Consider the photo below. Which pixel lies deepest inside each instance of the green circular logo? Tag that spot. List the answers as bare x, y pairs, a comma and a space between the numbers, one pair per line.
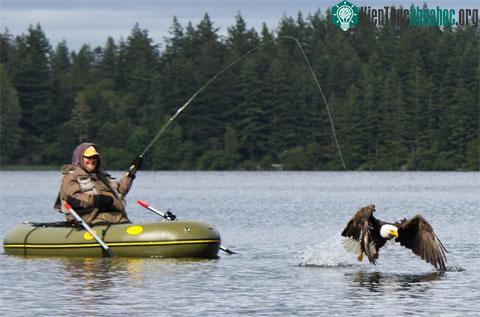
344, 15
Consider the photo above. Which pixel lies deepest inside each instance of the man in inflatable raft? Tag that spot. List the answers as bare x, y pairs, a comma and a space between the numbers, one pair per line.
94, 194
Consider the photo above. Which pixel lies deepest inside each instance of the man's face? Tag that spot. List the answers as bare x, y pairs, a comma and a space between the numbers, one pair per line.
90, 163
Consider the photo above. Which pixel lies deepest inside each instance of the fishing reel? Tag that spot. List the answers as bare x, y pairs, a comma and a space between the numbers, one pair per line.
168, 215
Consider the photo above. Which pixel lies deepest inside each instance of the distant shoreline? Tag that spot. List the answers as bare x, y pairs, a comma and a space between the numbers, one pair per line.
29, 168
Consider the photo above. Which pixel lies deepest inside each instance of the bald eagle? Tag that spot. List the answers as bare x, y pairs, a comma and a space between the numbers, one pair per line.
370, 234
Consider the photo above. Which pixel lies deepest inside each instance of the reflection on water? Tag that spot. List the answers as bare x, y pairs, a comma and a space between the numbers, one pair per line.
91, 285
377, 281
97, 273
104, 270
374, 279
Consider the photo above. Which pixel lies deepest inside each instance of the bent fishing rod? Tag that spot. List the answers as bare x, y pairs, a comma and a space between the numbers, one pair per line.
234, 62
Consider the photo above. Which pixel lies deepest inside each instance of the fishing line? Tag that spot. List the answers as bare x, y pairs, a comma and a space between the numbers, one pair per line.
198, 92
323, 96
235, 61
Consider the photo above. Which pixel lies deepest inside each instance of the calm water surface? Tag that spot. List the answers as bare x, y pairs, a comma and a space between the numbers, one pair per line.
285, 227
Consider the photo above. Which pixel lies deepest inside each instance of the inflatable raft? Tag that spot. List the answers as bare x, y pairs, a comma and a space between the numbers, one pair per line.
173, 239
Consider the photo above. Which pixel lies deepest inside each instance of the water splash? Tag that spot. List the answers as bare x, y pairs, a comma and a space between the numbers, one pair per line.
333, 254
455, 268
329, 254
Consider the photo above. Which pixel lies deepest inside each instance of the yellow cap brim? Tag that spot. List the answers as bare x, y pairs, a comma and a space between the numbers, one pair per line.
91, 151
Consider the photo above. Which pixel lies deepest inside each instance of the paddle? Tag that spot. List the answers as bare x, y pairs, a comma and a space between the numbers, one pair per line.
105, 247
169, 216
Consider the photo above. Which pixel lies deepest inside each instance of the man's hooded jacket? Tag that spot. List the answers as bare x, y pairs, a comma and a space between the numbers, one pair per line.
84, 189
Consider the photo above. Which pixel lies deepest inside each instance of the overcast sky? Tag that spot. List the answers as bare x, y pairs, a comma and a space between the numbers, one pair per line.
92, 21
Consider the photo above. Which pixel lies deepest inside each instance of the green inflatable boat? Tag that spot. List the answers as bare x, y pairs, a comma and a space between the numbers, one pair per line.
173, 239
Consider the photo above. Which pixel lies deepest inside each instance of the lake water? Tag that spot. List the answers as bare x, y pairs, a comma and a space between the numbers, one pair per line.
285, 227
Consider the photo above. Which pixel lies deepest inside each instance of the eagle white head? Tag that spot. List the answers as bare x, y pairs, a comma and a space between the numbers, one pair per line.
389, 232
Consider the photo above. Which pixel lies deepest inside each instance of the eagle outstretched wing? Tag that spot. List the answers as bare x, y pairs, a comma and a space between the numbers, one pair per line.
417, 234
356, 224
358, 229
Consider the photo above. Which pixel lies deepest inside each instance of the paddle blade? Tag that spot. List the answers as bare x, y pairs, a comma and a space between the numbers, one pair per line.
143, 204
228, 251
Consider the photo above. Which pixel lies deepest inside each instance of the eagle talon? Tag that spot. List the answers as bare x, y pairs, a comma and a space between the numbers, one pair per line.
360, 258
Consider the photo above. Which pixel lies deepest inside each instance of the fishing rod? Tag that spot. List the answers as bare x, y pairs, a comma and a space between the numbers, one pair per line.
197, 93
235, 61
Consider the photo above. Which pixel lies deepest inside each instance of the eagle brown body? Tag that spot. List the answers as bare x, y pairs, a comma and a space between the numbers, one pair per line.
415, 233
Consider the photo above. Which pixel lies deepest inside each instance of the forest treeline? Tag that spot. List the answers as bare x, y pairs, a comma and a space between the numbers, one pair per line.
400, 97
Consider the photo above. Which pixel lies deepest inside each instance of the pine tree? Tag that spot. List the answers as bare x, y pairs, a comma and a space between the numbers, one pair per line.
62, 94
202, 123
108, 62
392, 146
240, 40
175, 42
255, 114
399, 97
280, 99
80, 118
351, 128
82, 67
32, 79
10, 132
239, 43
230, 140
6, 49
168, 153
141, 64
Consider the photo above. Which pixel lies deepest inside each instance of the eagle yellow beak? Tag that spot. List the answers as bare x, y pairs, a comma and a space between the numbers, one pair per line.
394, 233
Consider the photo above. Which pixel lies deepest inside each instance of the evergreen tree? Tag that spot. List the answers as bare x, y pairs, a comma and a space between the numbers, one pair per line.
399, 97
255, 114
175, 42
6, 49
240, 40
80, 119
392, 146
82, 67
62, 94
140, 63
10, 132
203, 122
108, 63
351, 129
230, 140
168, 153
32, 79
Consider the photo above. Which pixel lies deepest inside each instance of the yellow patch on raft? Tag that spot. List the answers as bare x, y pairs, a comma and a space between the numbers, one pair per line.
87, 236
134, 230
